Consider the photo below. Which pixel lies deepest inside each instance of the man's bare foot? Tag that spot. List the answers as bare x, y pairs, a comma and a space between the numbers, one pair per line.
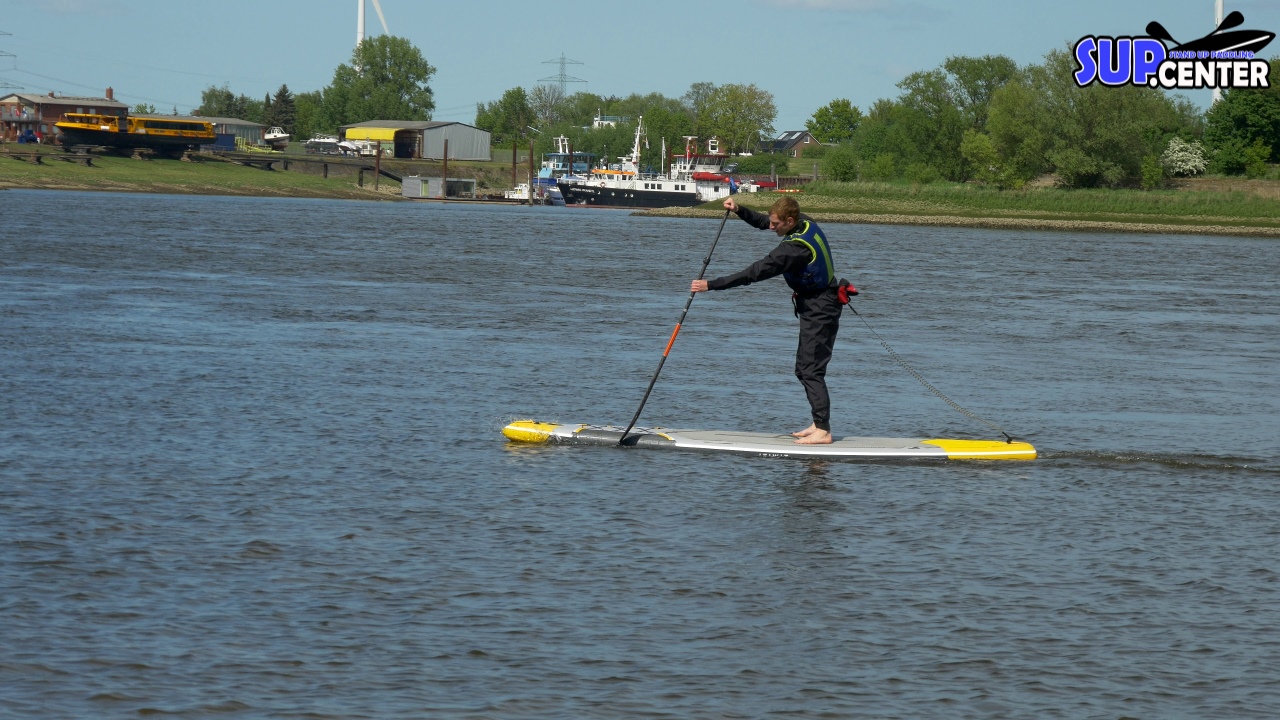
805, 432
817, 437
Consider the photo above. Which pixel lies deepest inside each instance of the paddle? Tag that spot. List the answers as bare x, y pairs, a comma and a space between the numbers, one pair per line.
1157, 31
1234, 19
675, 332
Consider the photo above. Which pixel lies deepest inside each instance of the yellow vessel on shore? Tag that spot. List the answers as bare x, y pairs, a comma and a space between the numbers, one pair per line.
160, 133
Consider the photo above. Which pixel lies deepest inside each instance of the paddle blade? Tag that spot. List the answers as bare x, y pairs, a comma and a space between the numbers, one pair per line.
1233, 19
1157, 31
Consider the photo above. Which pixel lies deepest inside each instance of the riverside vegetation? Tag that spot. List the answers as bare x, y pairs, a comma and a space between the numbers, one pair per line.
1204, 205
1227, 206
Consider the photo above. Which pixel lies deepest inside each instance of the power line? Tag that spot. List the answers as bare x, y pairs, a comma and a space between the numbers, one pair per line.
562, 78
4, 82
92, 88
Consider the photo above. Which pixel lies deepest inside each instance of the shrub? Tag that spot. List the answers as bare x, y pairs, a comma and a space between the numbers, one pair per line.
921, 173
1074, 168
816, 152
1184, 158
884, 167
1235, 157
1152, 173
761, 164
841, 163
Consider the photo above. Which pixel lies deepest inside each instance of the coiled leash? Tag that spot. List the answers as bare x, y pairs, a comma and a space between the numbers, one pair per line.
846, 293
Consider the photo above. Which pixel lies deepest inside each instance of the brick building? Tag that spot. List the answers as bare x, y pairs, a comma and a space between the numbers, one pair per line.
20, 112
791, 143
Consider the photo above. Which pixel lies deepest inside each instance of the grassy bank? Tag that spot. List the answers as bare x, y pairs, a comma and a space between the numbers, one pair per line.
212, 177
1219, 206
1202, 205
113, 173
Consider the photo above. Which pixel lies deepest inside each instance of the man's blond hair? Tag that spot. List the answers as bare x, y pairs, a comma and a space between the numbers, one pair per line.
786, 208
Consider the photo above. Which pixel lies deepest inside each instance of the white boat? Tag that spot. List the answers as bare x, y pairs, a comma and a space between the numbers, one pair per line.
693, 179
362, 148
276, 137
323, 144
521, 193
572, 166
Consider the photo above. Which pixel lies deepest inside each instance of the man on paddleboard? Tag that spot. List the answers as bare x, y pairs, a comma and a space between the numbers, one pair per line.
803, 259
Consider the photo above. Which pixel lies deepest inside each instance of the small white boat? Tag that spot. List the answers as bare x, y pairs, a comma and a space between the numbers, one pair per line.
521, 192
323, 144
276, 137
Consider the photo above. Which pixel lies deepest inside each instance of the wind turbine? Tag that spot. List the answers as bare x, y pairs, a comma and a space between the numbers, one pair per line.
360, 20
1217, 22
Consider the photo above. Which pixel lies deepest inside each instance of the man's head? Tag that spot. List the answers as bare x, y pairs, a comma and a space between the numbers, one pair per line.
784, 215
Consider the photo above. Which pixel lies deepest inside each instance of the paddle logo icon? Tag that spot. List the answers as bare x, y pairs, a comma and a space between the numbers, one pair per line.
1224, 59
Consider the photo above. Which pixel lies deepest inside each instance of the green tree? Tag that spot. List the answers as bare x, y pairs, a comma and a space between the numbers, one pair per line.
932, 123
1091, 136
506, 119
581, 107
254, 109
144, 109
1242, 118
883, 134
1020, 129
697, 101
978, 150
974, 80
284, 110
835, 122
387, 80
220, 102
740, 115
308, 113
548, 104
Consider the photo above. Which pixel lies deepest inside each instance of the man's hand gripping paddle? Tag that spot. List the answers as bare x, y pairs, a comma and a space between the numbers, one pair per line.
623, 440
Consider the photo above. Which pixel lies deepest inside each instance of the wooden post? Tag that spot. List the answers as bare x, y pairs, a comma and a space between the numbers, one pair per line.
377, 167
444, 172
531, 173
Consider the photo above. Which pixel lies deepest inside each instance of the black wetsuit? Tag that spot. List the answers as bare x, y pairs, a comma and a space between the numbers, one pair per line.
819, 314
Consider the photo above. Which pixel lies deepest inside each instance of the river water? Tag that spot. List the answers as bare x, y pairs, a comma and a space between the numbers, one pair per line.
250, 466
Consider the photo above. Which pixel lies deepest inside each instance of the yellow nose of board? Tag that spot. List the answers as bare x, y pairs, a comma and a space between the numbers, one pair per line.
985, 449
529, 431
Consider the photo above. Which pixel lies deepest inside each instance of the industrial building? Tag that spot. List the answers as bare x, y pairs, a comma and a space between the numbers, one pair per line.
422, 139
231, 129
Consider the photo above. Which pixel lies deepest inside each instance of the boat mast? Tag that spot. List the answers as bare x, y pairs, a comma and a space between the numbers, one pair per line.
635, 149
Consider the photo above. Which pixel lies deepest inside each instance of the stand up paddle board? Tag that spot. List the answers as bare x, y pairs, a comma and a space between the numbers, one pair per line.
768, 445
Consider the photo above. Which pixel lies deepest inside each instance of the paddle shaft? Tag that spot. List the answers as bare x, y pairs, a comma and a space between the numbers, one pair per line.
676, 331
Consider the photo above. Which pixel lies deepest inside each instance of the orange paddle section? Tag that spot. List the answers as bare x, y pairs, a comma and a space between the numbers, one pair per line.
672, 341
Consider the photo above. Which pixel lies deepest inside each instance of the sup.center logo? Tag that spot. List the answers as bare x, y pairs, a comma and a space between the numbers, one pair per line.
1217, 60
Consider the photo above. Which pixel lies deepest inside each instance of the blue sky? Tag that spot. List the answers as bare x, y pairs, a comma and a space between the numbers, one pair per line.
805, 52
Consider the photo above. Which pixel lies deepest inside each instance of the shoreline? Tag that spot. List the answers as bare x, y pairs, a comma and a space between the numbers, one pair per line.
997, 223
115, 174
